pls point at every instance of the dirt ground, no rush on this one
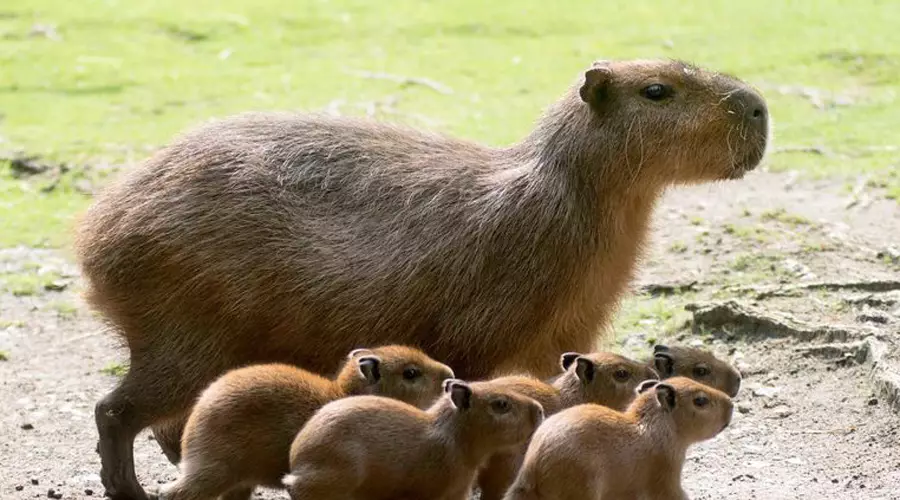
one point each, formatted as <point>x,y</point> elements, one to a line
<point>795,281</point>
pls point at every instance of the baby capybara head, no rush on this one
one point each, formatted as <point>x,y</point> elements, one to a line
<point>604,378</point>
<point>676,122</point>
<point>696,411</point>
<point>491,416</point>
<point>394,371</point>
<point>697,364</point>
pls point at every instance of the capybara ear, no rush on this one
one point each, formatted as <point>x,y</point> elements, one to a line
<point>664,364</point>
<point>566,360</point>
<point>356,352</point>
<point>460,394</point>
<point>665,393</point>
<point>596,79</point>
<point>660,348</point>
<point>585,370</point>
<point>646,386</point>
<point>369,368</point>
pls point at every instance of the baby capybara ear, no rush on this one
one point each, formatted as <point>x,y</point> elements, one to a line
<point>596,79</point>
<point>357,352</point>
<point>369,368</point>
<point>664,363</point>
<point>566,360</point>
<point>646,386</point>
<point>460,394</point>
<point>585,369</point>
<point>665,394</point>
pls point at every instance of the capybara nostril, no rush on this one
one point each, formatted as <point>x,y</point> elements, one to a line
<point>751,107</point>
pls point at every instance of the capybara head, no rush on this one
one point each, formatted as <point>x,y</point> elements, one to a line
<point>394,371</point>
<point>697,364</point>
<point>603,378</point>
<point>698,412</point>
<point>676,122</point>
<point>492,416</point>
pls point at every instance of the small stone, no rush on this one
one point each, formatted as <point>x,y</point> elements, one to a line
<point>27,427</point>
<point>34,481</point>
<point>835,481</point>
<point>876,317</point>
<point>784,414</point>
<point>19,487</point>
<point>873,402</point>
<point>765,392</point>
<point>88,491</point>
<point>743,409</point>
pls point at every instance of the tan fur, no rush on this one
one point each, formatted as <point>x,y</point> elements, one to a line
<point>590,452</point>
<point>240,431</point>
<point>280,237</point>
<point>698,364</point>
<point>370,447</point>
<point>601,378</point>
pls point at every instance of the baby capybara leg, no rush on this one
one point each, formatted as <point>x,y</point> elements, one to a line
<point>323,483</point>
<point>204,484</point>
<point>497,475</point>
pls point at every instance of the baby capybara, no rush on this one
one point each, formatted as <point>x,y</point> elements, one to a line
<point>282,237</point>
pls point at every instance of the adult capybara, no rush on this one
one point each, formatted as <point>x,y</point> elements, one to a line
<point>280,237</point>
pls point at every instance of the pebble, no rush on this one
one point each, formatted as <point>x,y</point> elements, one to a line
<point>34,481</point>
<point>27,427</point>
<point>765,392</point>
<point>19,487</point>
<point>873,402</point>
<point>744,409</point>
<point>51,493</point>
<point>88,491</point>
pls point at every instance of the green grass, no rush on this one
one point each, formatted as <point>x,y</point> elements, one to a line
<point>27,283</point>
<point>115,79</point>
<point>115,370</point>
<point>4,356</point>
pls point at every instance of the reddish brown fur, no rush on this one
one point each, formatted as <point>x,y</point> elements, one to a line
<point>601,378</point>
<point>240,431</point>
<point>590,451</point>
<point>278,237</point>
<point>369,447</point>
<point>698,364</point>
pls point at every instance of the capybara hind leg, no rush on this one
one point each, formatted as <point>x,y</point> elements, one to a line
<point>148,394</point>
<point>168,437</point>
<point>497,475</point>
<point>118,422</point>
<point>239,493</point>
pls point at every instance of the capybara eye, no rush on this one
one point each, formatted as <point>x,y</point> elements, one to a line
<point>656,92</point>
<point>500,406</point>
<point>411,373</point>
<point>701,371</point>
<point>622,375</point>
<point>701,401</point>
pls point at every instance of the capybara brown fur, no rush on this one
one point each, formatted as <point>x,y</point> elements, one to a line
<point>590,451</point>
<point>601,378</point>
<point>282,237</point>
<point>372,447</point>
<point>698,364</point>
<point>239,432</point>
